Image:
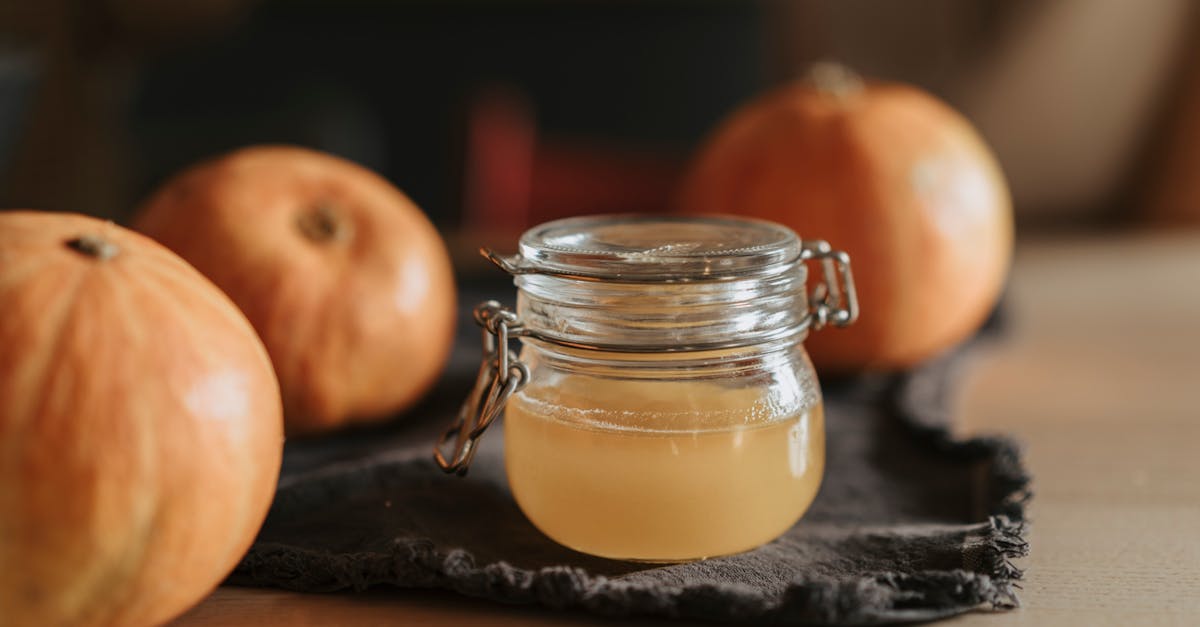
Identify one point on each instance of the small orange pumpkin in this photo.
(346, 280)
(141, 428)
(892, 176)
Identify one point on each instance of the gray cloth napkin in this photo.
(910, 524)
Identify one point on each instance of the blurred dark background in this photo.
(509, 112)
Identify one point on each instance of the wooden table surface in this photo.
(1100, 378)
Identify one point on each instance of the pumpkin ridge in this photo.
(163, 294)
(304, 330)
(161, 283)
(40, 371)
(9, 428)
(188, 326)
(144, 518)
(323, 336)
(44, 373)
(220, 301)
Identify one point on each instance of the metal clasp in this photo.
(501, 374)
(833, 300)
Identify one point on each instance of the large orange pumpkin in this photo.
(892, 176)
(347, 282)
(141, 428)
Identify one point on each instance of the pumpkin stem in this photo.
(94, 246)
(323, 224)
(835, 79)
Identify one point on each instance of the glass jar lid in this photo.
(672, 283)
(658, 249)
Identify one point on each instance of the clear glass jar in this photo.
(663, 407)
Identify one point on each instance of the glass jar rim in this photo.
(654, 249)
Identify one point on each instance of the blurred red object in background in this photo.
(515, 177)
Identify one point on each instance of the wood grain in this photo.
(1100, 377)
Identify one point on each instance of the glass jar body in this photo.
(665, 456)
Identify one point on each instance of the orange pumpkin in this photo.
(345, 279)
(141, 428)
(892, 176)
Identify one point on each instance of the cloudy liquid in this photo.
(647, 479)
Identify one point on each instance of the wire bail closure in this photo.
(833, 300)
(500, 375)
